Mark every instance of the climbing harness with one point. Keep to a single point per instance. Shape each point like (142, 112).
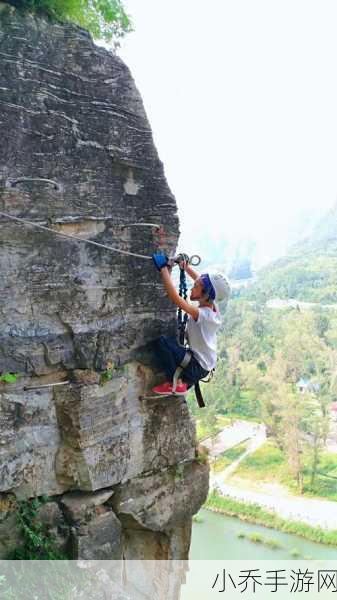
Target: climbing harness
(182, 321)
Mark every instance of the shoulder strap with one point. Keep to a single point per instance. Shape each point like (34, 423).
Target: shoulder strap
(198, 395)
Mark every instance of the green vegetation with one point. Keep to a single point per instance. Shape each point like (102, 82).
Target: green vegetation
(325, 484)
(255, 514)
(266, 463)
(38, 544)
(269, 463)
(226, 458)
(308, 277)
(202, 455)
(197, 519)
(105, 19)
(258, 538)
(9, 377)
(308, 272)
(263, 355)
(273, 544)
(107, 375)
(210, 424)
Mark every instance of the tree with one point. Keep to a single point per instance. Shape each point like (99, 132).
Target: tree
(321, 322)
(105, 19)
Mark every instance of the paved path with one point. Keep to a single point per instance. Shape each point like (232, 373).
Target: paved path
(253, 444)
(232, 435)
(315, 512)
(274, 498)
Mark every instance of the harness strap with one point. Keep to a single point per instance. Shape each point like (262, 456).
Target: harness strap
(198, 395)
(184, 363)
(182, 321)
(186, 360)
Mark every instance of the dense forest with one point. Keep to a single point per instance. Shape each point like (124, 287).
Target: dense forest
(279, 367)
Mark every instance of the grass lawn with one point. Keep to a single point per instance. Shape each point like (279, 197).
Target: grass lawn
(265, 464)
(226, 458)
(269, 464)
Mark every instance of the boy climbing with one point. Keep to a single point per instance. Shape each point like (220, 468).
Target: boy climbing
(183, 366)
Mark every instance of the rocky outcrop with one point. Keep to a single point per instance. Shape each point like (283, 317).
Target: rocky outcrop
(120, 475)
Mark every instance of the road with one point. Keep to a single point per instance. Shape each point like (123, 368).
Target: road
(274, 497)
(232, 435)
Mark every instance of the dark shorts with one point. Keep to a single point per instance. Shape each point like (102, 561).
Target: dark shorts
(169, 354)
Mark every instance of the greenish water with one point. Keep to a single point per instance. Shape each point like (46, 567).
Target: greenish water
(217, 538)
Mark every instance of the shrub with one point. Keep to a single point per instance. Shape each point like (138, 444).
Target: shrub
(105, 19)
(9, 377)
(38, 543)
(197, 519)
(202, 454)
(257, 538)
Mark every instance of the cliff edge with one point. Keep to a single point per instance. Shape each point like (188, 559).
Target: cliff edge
(118, 477)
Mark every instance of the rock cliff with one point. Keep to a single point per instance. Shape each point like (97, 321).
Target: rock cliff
(119, 477)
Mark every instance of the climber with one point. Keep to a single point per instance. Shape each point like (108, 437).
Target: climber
(184, 367)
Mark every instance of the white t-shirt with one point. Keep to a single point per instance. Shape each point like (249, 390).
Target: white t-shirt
(201, 335)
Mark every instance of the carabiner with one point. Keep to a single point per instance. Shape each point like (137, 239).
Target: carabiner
(194, 260)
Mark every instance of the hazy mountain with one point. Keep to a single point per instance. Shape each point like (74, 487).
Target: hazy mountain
(308, 271)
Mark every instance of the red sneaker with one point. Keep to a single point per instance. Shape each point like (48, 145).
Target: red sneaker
(166, 389)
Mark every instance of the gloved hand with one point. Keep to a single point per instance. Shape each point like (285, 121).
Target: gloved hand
(160, 261)
(182, 260)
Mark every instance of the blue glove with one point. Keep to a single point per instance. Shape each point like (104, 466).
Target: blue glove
(160, 261)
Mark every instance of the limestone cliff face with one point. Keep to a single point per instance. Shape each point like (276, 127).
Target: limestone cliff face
(77, 155)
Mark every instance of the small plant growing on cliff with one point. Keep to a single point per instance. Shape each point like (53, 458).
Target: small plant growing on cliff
(37, 542)
(108, 373)
(202, 455)
(179, 473)
(105, 19)
(197, 519)
(9, 377)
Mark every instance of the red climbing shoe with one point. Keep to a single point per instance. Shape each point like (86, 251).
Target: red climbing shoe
(166, 389)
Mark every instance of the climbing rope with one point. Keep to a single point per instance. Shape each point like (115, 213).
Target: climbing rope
(193, 260)
(75, 237)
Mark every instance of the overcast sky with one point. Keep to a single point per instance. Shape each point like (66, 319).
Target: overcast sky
(242, 99)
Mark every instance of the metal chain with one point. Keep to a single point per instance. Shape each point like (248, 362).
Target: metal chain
(182, 320)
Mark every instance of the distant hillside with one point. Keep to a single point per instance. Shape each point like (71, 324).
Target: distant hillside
(307, 272)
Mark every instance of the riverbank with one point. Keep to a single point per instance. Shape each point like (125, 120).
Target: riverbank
(217, 536)
(254, 513)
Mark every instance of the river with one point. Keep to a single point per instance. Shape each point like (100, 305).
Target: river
(216, 537)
